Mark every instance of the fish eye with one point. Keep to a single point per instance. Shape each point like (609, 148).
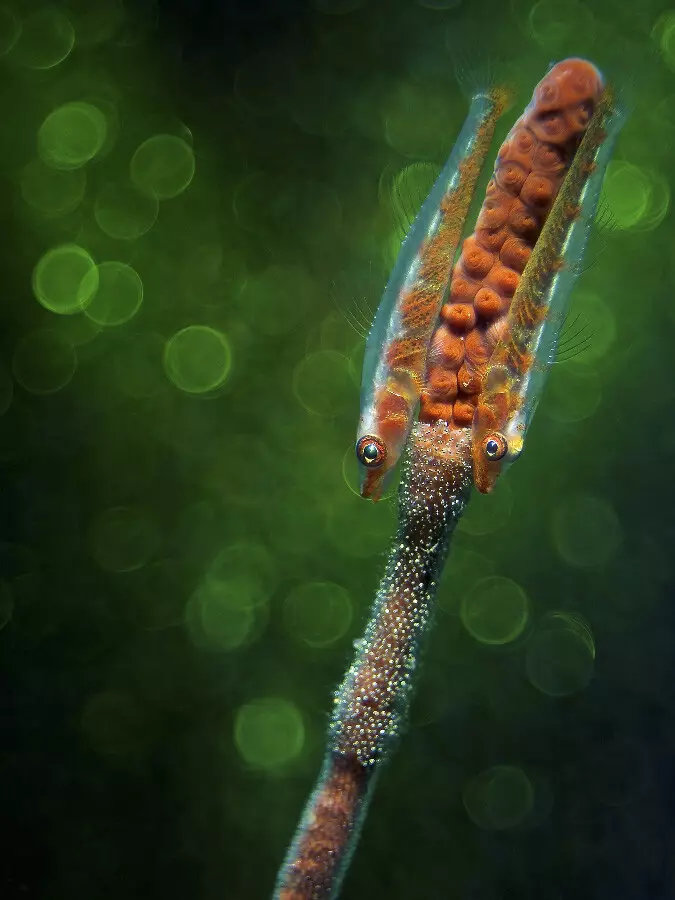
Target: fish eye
(371, 452)
(495, 446)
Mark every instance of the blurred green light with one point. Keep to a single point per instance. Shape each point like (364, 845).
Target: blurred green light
(52, 192)
(46, 39)
(163, 166)
(561, 654)
(65, 279)
(269, 732)
(495, 610)
(77, 329)
(220, 614)
(72, 135)
(123, 213)
(462, 571)
(197, 359)
(119, 295)
(664, 33)
(627, 193)
(97, 22)
(322, 384)
(240, 560)
(318, 612)
(554, 25)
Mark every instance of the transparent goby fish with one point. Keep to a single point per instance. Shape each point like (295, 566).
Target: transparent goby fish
(521, 360)
(397, 346)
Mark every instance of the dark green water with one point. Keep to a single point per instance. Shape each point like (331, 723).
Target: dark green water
(191, 194)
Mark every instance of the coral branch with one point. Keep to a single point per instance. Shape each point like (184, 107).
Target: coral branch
(371, 705)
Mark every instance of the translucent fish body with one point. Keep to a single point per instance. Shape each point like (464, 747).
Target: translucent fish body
(522, 357)
(529, 170)
(397, 346)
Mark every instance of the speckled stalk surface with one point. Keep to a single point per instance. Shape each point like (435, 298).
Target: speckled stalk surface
(372, 703)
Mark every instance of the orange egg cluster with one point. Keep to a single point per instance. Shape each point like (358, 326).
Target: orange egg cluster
(530, 167)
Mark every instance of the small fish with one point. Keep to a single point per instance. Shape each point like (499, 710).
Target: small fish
(523, 355)
(397, 346)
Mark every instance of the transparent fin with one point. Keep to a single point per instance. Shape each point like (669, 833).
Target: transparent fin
(410, 188)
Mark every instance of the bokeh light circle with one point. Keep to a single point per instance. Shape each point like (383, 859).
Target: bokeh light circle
(318, 612)
(163, 166)
(269, 732)
(554, 25)
(561, 655)
(495, 610)
(47, 37)
(124, 213)
(239, 561)
(65, 279)
(197, 359)
(72, 135)
(461, 573)
(499, 798)
(322, 384)
(52, 192)
(220, 614)
(119, 295)
(97, 22)
(663, 32)
(627, 192)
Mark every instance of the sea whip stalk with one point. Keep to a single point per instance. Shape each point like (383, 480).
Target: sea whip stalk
(372, 703)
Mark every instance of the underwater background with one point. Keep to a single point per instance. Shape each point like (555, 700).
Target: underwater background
(199, 201)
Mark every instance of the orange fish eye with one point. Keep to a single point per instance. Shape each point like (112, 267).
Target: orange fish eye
(495, 446)
(371, 452)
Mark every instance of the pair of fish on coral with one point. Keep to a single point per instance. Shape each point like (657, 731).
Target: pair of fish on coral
(470, 342)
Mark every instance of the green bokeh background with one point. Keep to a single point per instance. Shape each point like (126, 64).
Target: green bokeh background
(197, 203)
